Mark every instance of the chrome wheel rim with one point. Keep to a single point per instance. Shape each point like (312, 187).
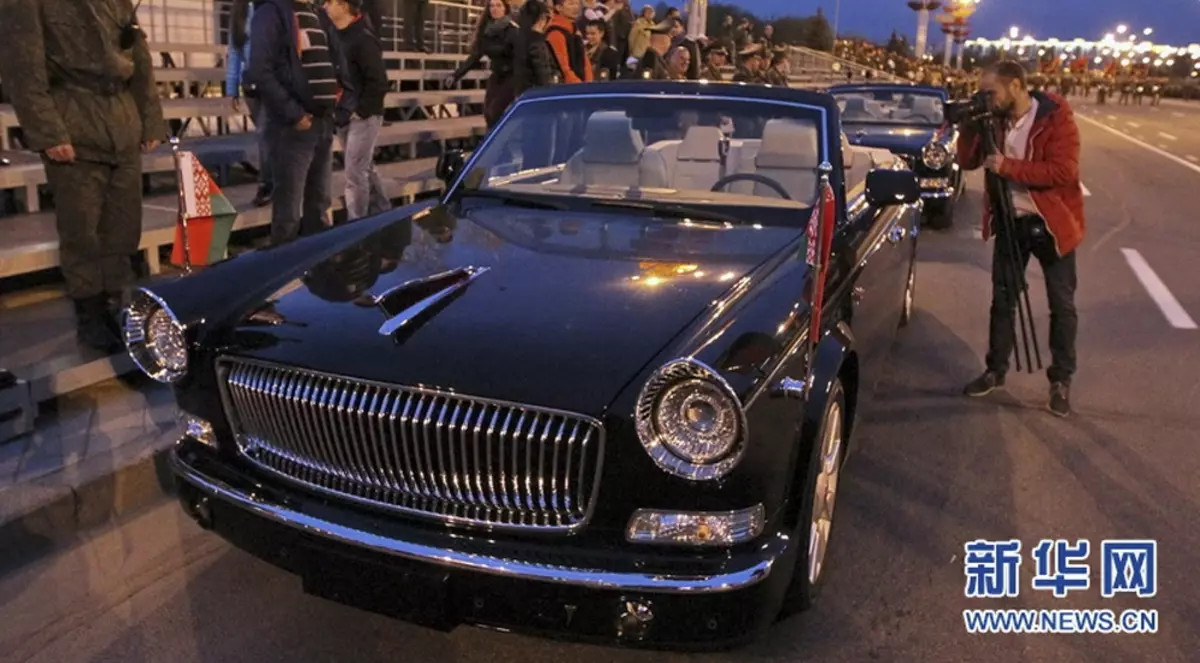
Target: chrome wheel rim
(908, 293)
(825, 493)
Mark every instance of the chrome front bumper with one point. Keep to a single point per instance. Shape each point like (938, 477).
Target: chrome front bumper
(938, 194)
(753, 569)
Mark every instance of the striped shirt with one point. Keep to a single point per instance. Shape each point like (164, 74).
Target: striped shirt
(316, 59)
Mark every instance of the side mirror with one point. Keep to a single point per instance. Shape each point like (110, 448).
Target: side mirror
(449, 165)
(892, 187)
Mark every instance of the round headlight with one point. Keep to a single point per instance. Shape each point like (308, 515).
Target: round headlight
(935, 155)
(155, 338)
(690, 421)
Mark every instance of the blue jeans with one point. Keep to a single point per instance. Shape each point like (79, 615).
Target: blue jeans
(301, 167)
(365, 195)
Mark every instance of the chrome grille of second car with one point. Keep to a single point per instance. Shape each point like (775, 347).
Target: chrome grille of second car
(432, 453)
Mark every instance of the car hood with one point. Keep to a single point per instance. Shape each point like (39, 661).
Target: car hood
(567, 308)
(899, 139)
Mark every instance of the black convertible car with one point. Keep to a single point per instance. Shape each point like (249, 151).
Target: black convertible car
(577, 395)
(910, 121)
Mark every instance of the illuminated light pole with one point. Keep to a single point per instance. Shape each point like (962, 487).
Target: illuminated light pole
(923, 7)
(960, 38)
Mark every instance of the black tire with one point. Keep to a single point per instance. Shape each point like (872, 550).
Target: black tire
(803, 592)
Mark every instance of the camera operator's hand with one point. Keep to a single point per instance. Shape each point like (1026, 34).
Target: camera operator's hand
(994, 162)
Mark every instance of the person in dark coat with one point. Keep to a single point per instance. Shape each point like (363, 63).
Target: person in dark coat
(495, 39)
(533, 65)
(297, 67)
(620, 24)
(359, 116)
(606, 60)
(777, 72)
(83, 90)
(750, 65)
(715, 57)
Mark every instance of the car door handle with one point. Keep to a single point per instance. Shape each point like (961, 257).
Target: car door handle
(896, 235)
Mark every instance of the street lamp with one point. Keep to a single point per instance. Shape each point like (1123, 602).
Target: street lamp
(1122, 29)
(1014, 32)
(1148, 31)
(923, 7)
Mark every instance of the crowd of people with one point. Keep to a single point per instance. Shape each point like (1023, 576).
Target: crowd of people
(305, 73)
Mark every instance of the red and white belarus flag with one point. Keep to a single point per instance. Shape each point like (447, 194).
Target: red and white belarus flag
(820, 245)
(209, 215)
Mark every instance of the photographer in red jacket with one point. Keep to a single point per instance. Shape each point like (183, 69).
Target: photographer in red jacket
(1040, 160)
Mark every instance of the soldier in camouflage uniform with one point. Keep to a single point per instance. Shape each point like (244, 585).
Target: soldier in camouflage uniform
(777, 73)
(80, 77)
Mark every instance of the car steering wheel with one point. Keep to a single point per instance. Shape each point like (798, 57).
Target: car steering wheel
(751, 177)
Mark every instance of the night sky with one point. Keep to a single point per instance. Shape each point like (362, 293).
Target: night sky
(1175, 22)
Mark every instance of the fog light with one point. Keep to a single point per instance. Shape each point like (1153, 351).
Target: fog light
(935, 183)
(198, 429)
(696, 528)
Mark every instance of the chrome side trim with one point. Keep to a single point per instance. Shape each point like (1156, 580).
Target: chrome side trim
(599, 579)
(942, 193)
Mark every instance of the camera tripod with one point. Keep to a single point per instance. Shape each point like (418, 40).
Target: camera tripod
(1013, 271)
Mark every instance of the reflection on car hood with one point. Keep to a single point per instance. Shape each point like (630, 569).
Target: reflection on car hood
(570, 307)
(900, 139)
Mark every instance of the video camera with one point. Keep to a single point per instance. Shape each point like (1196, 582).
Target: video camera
(974, 108)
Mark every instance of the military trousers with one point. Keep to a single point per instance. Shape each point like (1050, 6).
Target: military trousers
(98, 209)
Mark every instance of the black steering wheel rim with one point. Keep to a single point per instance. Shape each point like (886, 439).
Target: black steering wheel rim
(751, 177)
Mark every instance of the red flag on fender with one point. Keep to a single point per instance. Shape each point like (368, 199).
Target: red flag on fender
(820, 245)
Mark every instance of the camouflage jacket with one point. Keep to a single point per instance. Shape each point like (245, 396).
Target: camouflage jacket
(744, 75)
(776, 77)
(70, 81)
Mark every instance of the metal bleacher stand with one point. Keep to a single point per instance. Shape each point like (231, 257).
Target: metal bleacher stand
(37, 343)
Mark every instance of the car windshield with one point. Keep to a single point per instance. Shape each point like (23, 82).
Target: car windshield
(901, 107)
(718, 155)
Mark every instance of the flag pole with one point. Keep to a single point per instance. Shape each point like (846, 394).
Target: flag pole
(819, 268)
(182, 202)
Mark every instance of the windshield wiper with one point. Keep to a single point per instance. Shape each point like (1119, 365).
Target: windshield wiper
(671, 211)
(515, 198)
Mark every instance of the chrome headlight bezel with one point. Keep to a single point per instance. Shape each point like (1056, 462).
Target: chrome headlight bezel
(935, 155)
(143, 342)
(659, 443)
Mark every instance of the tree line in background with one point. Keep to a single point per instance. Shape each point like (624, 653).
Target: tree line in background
(810, 31)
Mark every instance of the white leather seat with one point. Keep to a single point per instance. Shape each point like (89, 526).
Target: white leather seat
(790, 156)
(614, 154)
(698, 162)
(926, 109)
(856, 110)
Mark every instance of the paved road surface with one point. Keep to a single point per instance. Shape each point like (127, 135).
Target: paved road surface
(933, 470)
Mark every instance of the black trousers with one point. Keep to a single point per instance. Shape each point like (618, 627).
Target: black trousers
(1060, 276)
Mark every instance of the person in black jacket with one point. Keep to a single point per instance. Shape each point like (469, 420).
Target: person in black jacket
(495, 38)
(296, 65)
(532, 63)
(359, 115)
(606, 60)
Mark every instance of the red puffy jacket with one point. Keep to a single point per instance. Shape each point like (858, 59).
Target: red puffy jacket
(1050, 170)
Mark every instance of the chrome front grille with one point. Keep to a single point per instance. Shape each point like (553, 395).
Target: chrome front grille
(447, 456)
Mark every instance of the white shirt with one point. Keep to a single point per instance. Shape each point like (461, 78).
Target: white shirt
(1015, 143)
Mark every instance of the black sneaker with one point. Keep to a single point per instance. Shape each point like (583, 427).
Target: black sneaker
(984, 384)
(1060, 399)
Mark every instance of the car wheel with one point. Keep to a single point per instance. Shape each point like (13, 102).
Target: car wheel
(819, 499)
(910, 288)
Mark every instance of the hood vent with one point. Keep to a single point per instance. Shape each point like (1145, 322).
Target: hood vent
(408, 303)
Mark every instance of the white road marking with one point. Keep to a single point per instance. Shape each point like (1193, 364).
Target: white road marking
(1111, 117)
(1162, 146)
(1135, 125)
(1135, 141)
(1192, 158)
(1176, 113)
(1167, 135)
(1085, 189)
(1170, 307)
